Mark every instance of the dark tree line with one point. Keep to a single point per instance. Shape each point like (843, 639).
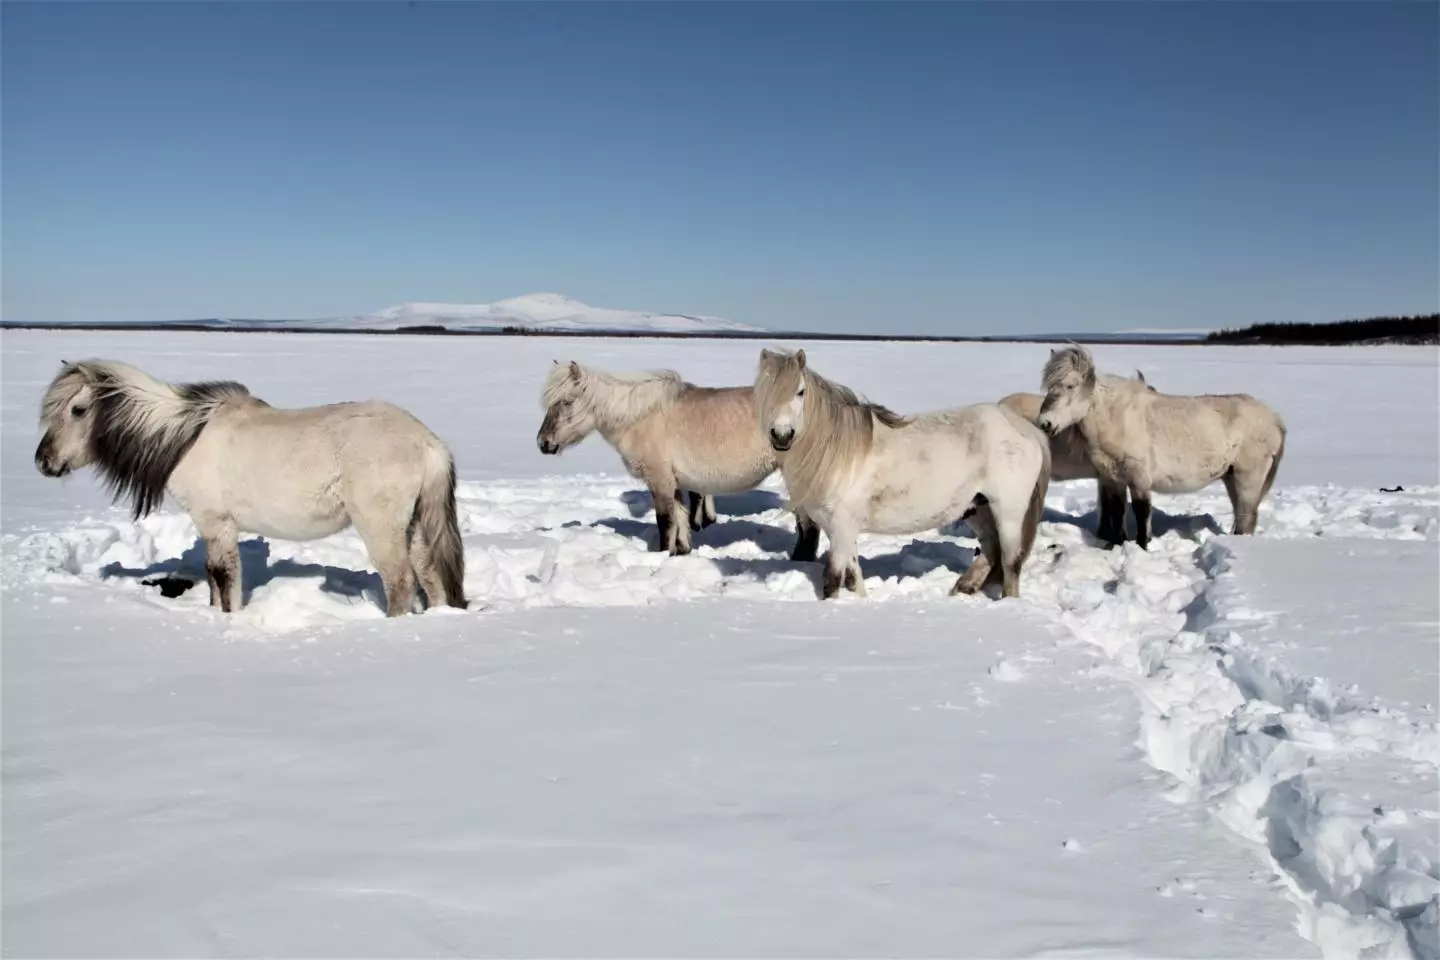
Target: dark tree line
(1417, 329)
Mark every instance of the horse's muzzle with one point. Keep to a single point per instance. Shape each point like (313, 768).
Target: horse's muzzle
(548, 446)
(50, 468)
(781, 442)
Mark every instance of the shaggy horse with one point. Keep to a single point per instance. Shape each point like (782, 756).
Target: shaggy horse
(1144, 441)
(1070, 461)
(236, 465)
(856, 467)
(673, 435)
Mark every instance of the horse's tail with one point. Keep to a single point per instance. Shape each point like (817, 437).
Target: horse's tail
(1036, 510)
(436, 521)
(1274, 464)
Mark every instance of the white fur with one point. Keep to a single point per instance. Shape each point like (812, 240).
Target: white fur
(1148, 441)
(290, 474)
(671, 434)
(855, 467)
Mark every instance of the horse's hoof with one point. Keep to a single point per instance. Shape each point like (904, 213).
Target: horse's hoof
(681, 550)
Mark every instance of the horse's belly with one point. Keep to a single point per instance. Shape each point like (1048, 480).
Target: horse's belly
(292, 524)
(711, 481)
(306, 512)
(903, 512)
(1196, 477)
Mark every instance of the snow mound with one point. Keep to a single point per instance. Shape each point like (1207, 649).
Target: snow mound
(536, 311)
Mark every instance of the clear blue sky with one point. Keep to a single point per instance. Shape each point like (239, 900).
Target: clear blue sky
(937, 167)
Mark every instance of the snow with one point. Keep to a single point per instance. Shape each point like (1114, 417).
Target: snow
(1220, 747)
(537, 311)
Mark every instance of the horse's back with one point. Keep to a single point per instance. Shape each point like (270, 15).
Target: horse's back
(712, 437)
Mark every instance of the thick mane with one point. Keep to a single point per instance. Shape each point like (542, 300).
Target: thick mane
(839, 426)
(1062, 362)
(615, 399)
(140, 427)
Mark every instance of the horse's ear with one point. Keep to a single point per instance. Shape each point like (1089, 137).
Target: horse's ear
(765, 355)
(574, 371)
(556, 362)
(1140, 375)
(800, 358)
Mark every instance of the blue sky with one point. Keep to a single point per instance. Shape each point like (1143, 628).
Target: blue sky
(937, 168)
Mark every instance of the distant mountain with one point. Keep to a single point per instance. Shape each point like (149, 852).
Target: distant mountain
(536, 311)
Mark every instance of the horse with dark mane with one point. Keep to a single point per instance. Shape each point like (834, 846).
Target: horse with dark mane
(237, 464)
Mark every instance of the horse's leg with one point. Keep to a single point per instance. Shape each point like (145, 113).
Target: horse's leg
(1250, 487)
(1140, 505)
(854, 579)
(1010, 532)
(667, 520)
(986, 567)
(1111, 528)
(386, 539)
(807, 539)
(844, 560)
(1232, 490)
(680, 527)
(222, 564)
(702, 510)
(425, 571)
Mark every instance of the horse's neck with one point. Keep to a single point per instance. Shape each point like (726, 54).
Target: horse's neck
(811, 450)
(621, 416)
(1104, 418)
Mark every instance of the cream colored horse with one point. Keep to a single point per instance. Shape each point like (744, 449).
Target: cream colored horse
(1069, 459)
(1147, 441)
(236, 465)
(673, 435)
(856, 467)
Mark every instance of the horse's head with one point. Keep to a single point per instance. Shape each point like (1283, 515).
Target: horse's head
(67, 417)
(569, 418)
(1069, 382)
(780, 397)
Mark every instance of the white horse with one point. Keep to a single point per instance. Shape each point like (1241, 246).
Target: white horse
(1145, 441)
(236, 464)
(857, 467)
(673, 435)
(1070, 460)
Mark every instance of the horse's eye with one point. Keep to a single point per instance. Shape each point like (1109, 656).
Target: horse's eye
(77, 411)
(800, 392)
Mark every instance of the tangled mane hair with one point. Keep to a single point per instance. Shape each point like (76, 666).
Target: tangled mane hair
(616, 400)
(839, 425)
(1072, 359)
(140, 427)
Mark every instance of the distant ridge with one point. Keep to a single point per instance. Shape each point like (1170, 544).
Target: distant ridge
(534, 312)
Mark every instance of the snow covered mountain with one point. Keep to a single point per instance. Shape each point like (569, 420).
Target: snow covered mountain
(536, 311)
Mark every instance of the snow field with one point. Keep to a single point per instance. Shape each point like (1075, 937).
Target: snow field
(1236, 730)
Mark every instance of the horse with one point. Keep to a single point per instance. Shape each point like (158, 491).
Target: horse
(237, 464)
(1146, 441)
(1070, 461)
(857, 467)
(673, 435)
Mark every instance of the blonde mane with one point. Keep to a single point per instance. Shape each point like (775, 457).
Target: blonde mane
(615, 400)
(839, 427)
